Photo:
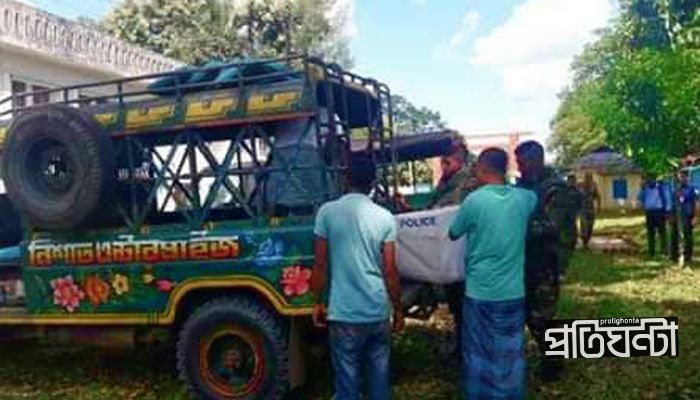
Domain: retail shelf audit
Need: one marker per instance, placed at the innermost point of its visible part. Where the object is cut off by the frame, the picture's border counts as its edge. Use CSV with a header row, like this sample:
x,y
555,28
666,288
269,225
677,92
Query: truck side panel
x,y
141,278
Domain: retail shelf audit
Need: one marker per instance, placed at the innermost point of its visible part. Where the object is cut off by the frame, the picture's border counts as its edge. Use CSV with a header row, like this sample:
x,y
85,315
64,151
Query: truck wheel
x,y
234,349
58,166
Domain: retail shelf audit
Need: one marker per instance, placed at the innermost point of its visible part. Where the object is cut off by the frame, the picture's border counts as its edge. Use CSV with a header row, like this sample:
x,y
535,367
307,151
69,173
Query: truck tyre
x,y
58,166
234,349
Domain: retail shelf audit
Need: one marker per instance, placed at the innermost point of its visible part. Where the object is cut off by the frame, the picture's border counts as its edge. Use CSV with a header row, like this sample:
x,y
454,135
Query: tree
x,y
682,21
410,119
195,31
598,58
649,107
574,131
644,25
635,88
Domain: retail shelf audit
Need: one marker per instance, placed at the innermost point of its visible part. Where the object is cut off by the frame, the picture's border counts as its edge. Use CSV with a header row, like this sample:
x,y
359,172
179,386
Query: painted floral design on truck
x,y
66,293
295,281
70,293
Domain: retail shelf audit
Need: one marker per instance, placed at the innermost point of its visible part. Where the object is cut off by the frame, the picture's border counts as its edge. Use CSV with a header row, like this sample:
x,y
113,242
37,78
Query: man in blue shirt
x,y
495,219
355,243
655,199
686,199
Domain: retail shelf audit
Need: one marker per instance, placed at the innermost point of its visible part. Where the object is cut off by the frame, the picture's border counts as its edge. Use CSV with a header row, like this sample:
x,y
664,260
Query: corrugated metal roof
x,y
607,161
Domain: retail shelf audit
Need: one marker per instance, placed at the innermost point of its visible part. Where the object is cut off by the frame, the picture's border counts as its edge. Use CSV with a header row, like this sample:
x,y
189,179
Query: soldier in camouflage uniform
x,y
457,178
545,255
591,202
456,182
569,231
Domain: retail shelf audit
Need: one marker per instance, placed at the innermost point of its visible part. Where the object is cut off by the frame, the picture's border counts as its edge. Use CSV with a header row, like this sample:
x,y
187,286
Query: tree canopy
x,y
636,88
194,31
410,119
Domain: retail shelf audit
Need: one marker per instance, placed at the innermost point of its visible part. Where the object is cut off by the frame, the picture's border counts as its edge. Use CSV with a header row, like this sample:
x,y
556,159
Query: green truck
x,y
185,200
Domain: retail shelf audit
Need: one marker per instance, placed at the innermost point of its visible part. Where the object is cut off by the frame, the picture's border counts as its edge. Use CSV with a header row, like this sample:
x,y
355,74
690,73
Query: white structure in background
x,y
39,50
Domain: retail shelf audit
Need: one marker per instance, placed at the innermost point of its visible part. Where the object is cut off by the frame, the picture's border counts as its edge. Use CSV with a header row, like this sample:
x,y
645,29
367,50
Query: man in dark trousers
x,y
355,244
546,250
686,199
655,199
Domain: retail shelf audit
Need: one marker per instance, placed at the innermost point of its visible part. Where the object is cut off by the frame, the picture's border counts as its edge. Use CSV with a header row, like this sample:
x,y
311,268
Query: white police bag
x,y
424,251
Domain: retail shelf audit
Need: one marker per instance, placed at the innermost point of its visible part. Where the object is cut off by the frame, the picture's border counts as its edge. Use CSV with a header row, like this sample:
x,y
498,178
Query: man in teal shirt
x,y
355,240
495,219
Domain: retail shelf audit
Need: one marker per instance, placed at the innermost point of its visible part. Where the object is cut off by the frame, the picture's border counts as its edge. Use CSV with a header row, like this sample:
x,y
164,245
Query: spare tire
x,y
58,166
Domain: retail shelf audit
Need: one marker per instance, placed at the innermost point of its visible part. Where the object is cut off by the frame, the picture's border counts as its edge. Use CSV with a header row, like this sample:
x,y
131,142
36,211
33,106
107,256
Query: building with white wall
x,y
39,50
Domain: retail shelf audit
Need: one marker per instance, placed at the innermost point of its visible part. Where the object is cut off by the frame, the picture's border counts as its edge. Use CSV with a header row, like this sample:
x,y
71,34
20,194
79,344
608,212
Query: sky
x,y
486,65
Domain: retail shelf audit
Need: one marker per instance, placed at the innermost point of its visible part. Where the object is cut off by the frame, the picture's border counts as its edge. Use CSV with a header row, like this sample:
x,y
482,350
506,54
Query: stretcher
x,y
424,251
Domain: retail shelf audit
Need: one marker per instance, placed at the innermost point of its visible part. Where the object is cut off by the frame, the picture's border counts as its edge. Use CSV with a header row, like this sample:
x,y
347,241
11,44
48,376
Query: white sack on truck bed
x,y
424,252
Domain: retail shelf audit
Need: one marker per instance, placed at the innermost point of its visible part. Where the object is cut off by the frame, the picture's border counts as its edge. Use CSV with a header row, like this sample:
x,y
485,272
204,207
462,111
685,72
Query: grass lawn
x,y
597,285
